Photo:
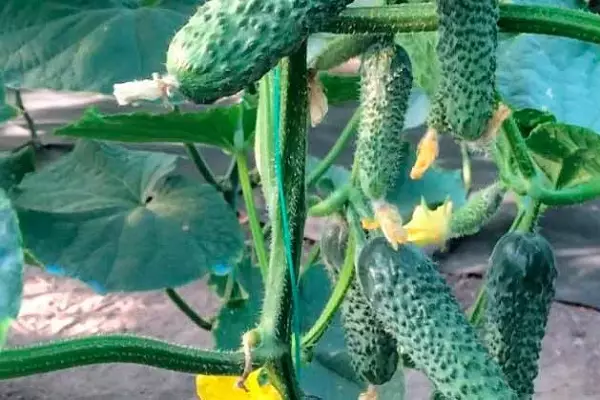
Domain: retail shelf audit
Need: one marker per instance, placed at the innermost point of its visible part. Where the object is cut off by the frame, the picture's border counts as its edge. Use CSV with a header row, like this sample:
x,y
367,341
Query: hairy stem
x,y
335,150
253,220
422,17
201,165
518,148
103,349
334,202
568,196
278,304
187,310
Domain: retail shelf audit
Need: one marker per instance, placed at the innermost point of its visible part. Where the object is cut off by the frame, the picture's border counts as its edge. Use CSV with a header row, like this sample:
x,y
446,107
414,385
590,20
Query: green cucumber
x,y
464,101
373,353
229,44
519,287
414,303
481,207
381,150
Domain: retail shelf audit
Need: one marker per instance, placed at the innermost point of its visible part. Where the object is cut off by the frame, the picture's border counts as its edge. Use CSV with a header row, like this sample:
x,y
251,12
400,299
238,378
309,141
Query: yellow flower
x,y
429,226
388,218
427,152
211,387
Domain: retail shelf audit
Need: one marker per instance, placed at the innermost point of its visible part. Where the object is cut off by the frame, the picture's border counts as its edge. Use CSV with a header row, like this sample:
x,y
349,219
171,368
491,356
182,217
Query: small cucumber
x,y
386,82
481,207
229,44
520,287
464,101
414,303
372,351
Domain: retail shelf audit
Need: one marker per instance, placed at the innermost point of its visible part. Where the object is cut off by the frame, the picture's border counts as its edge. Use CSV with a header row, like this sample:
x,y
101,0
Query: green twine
x,y
286,230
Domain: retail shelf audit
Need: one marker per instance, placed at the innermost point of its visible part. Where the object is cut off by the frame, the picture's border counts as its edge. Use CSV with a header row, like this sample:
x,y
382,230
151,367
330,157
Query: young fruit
x,y
386,82
415,304
520,287
229,44
372,351
478,211
464,102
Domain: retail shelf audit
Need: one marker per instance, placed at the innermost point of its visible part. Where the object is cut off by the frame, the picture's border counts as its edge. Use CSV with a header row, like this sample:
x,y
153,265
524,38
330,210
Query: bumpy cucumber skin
x,y
481,207
373,353
413,302
229,44
464,101
520,287
386,82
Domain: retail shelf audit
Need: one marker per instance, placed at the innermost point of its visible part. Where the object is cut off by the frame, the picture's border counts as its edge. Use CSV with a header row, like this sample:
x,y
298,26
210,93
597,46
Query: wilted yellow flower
x,y
317,99
211,387
429,226
427,153
388,218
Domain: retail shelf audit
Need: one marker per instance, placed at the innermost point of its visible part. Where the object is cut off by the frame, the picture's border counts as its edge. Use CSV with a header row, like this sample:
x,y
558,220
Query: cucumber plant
x,y
116,218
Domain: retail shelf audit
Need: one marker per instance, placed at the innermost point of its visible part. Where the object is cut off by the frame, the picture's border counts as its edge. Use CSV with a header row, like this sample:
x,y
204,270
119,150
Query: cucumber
x,y
481,207
413,302
386,82
464,101
520,287
229,44
373,353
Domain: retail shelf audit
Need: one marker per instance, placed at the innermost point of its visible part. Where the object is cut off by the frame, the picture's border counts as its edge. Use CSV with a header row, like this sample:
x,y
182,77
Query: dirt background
x,y
57,307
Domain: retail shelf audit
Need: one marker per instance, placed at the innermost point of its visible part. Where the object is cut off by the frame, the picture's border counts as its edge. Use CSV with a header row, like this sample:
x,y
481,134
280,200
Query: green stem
x,y
568,196
103,349
518,148
257,235
315,333
187,310
28,120
278,304
530,214
234,182
422,17
201,165
335,150
334,202
478,307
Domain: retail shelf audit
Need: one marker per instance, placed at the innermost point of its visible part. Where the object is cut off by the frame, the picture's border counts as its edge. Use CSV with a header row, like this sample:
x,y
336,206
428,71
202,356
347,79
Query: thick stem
x,y
187,310
568,196
335,150
334,202
202,165
518,148
280,292
422,17
253,220
104,349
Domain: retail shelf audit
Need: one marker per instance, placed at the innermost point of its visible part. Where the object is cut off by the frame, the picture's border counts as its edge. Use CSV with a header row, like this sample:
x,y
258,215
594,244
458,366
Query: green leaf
x,y
340,88
568,154
421,48
11,266
15,165
215,126
86,45
553,74
119,220
528,118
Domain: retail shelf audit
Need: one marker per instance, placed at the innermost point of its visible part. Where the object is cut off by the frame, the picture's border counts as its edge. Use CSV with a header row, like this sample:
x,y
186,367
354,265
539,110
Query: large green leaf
x,y
215,126
120,221
86,45
568,154
11,266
